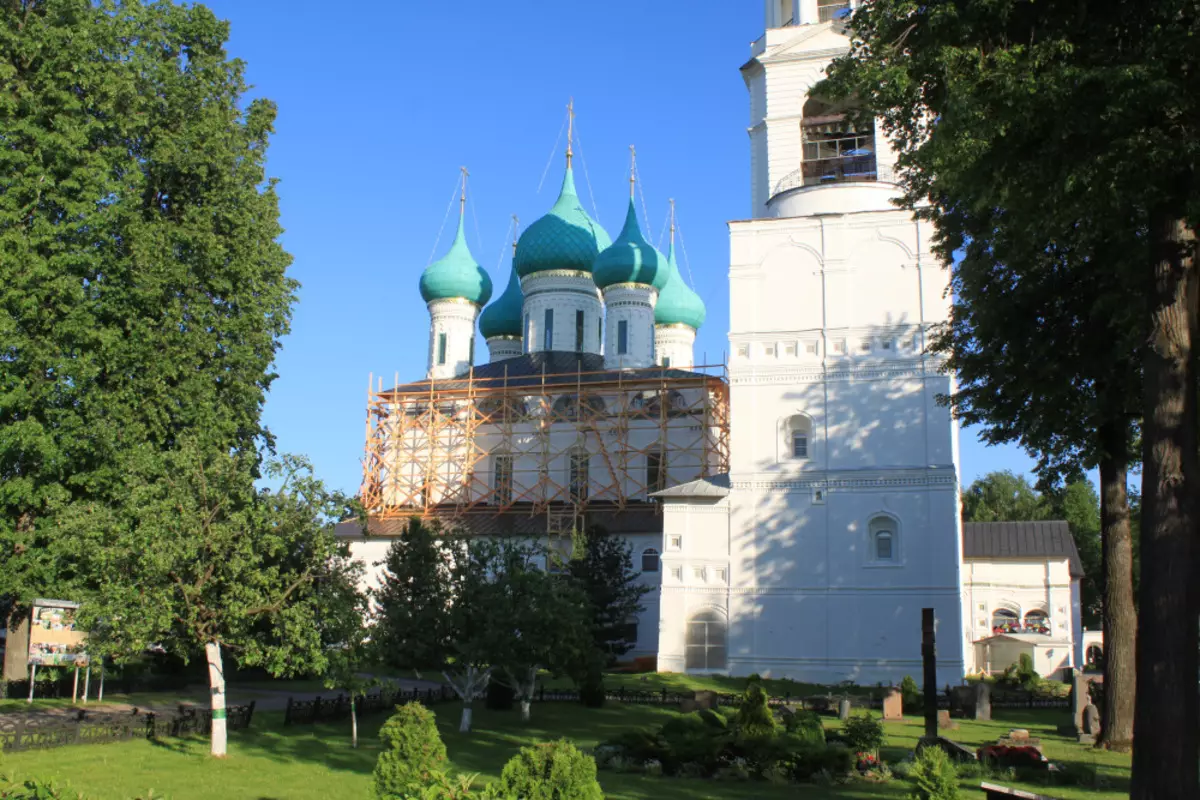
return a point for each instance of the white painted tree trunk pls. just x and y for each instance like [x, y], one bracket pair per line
[525, 708]
[216, 682]
[353, 724]
[466, 688]
[524, 690]
[464, 726]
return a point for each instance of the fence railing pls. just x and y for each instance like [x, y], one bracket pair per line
[43, 731]
[329, 709]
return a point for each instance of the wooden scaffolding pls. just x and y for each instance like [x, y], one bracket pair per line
[558, 445]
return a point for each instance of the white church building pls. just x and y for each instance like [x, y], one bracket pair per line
[795, 513]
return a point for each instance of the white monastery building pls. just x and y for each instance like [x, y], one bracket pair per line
[794, 512]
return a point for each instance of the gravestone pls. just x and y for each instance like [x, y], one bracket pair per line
[1091, 724]
[944, 721]
[844, 709]
[983, 701]
[706, 700]
[893, 705]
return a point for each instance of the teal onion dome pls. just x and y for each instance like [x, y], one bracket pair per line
[566, 238]
[503, 317]
[631, 259]
[677, 303]
[456, 275]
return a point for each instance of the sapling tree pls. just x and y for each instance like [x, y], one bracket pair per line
[219, 566]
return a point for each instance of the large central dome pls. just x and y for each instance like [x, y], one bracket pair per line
[566, 238]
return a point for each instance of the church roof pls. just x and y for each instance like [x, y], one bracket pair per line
[503, 317]
[677, 303]
[631, 259]
[456, 274]
[553, 367]
[566, 238]
[1040, 539]
[712, 486]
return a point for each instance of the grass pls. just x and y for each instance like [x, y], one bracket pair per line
[271, 762]
[678, 682]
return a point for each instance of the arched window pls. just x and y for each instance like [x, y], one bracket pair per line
[885, 540]
[1037, 621]
[797, 439]
[1094, 658]
[1005, 620]
[705, 646]
[502, 465]
[649, 560]
[579, 474]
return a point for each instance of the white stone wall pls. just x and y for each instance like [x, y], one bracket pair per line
[1021, 585]
[633, 304]
[502, 347]
[676, 345]
[454, 318]
[566, 292]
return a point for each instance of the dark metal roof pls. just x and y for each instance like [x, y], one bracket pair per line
[555, 367]
[1044, 539]
[631, 520]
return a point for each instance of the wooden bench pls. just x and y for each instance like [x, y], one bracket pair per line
[994, 792]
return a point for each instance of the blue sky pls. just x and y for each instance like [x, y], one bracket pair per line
[380, 103]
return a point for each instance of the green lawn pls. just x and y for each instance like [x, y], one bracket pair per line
[678, 682]
[271, 762]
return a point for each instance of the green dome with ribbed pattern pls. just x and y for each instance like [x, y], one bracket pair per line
[566, 238]
[456, 274]
[503, 317]
[631, 259]
[677, 303]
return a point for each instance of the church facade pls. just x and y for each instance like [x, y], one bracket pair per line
[794, 513]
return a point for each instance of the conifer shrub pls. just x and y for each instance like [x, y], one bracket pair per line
[933, 776]
[754, 717]
[806, 726]
[550, 771]
[413, 754]
[910, 693]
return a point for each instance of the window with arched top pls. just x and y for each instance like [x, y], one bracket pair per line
[578, 478]
[705, 644]
[1037, 621]
[1005, 620]
[884, 540]
[797, 438]
[649, 560]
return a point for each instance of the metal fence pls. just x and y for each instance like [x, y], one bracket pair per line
[43, 731]
[328, 709]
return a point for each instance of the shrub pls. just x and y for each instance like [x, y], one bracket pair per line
[806, 725]
[810, 761]
[934, 776]
[551, 771]
[500, 696]
[863, 732]
[910, 693]
[413, 753]
[591, 690]
[754, 717]
[712, 719]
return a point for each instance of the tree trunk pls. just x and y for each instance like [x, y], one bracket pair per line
[1167, 715]
[216, 682]
[1120, 615]
[353, 724]
[464, 724]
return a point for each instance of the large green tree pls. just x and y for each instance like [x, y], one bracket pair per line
[142, 285]
[1057, 142]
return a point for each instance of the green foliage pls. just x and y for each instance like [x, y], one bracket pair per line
[933, 776]
[411, 602]
[910, 693]
[551, 771]
[811, 761]
[863, 732]
[614, 591]
[143, 289]
[754, 717]
[1021, 674]
[806, 725]
[712, 719]
[500, 696]
[413, 754]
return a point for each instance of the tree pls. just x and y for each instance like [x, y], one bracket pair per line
[142, 285]
[545, 620]
[344, 612]
[218, 565]
[1014, 123]
[411, 602]
[1003, 497]
[613, 588]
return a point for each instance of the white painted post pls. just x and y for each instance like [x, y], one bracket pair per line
[216, 681]
[87, 681]
[32, 679]
[75, 687]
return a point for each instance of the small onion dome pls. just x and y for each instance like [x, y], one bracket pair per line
[503, 317]
[456, 275]
[566, 238]
[631, 259]
[677, 303]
